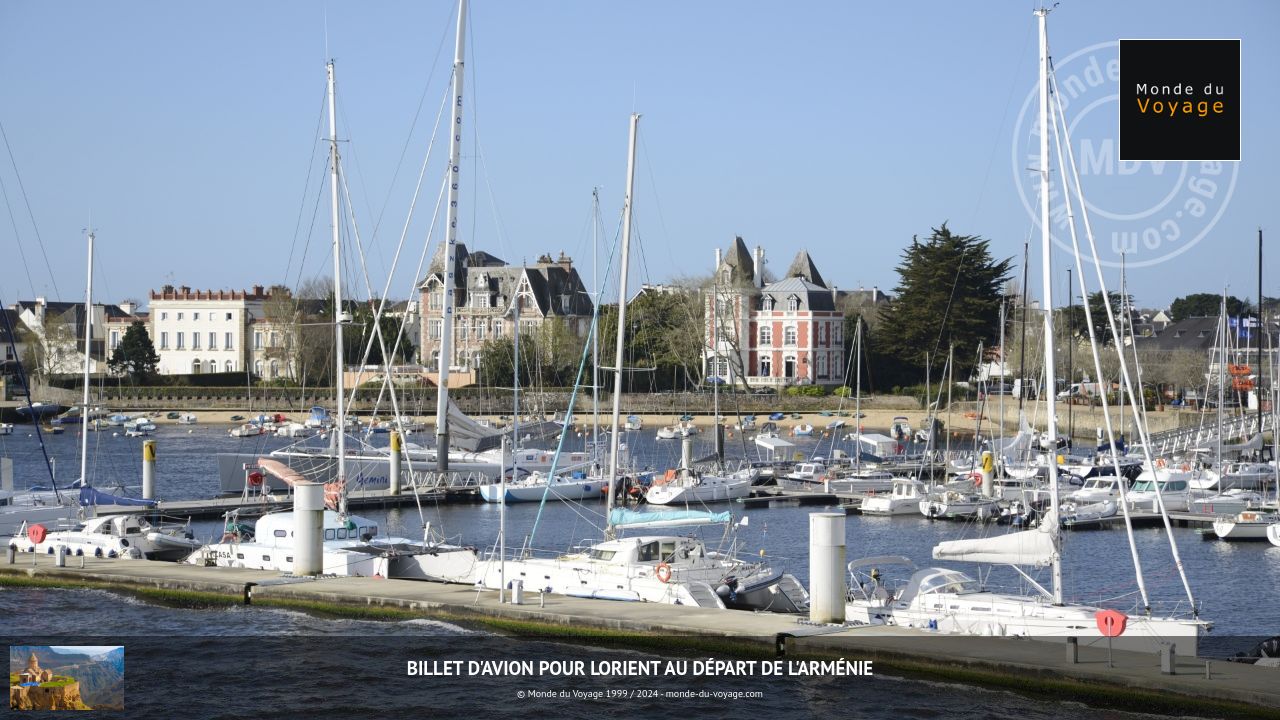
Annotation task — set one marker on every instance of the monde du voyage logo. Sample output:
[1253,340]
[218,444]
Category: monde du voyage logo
[1159,182]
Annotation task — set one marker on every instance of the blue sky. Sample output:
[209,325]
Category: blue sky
[187,131]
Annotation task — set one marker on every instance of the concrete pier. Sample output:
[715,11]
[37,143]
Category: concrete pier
[996,661]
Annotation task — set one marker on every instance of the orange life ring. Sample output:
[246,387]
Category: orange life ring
[255,479]
[977,479]
[1160,462]
[663,572]
[1185,467]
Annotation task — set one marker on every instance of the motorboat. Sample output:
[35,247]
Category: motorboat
[1076,514]
[246,430]
[124,536]
[802,430]
[294,430]
[351,546]
[903,500]
[957,501]
[187,419]
[746,424]
[1173,487]
[633,422]
[1246,476]
[691,486]
[900,430]
[1099,488]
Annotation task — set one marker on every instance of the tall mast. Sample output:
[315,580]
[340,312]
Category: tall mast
[595,330]
[1071,346]
[857,392]
[1046,243]
[622,317]
[338,318]
[451,247]
[88,340]
[1257,386]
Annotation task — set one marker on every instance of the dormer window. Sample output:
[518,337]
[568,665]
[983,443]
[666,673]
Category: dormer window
[793,303]
[766,304]
[564,302]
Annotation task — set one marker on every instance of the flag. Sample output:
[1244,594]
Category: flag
[745,520]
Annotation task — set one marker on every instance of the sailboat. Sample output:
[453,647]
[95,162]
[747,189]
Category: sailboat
[949,601]
[672,569]
[351,544]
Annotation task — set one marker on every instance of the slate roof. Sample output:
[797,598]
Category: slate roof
[738,262]
[813,297]
[804,267]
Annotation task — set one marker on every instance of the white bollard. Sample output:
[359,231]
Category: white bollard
[308,518]
[826,567]
[395,463]
[988,474]
[60,556]
[149,470]
[517,592]
[686,452]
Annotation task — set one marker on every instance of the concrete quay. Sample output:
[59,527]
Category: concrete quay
[1206,688]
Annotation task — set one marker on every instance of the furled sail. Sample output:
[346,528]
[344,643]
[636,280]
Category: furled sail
[1027,547]
[622,518]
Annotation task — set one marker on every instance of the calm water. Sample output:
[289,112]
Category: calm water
[1234,582]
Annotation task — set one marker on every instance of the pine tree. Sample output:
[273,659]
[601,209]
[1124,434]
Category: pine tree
[949,291]
[135,355]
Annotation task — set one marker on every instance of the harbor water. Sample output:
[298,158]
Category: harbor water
[1229,580]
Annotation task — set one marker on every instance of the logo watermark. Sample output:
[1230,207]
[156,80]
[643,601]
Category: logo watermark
[1149,211]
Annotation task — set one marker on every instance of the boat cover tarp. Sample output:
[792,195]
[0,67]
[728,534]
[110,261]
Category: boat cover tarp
[1019,444]
[92,496]
[623,518]
[1027,547]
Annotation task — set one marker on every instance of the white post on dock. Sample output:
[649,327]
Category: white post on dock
[149,470]
[686,452]
[988,474]
[394,480]
[826,567]
[308,517]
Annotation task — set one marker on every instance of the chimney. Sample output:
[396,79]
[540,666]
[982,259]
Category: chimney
[875,294]
[759,267]
[718,259]
[835,295]
[257,290]
[128,307]
[186,289]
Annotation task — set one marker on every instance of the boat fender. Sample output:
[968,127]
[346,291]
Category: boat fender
[49,550]
[97,552]
[1185,467]
[663,572]
[112,554]
[79,552]
[124,542]
[1160,462]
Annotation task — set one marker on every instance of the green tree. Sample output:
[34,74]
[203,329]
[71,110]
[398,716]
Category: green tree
[1205,305]
[949,291]
[1073,319]
[135,356]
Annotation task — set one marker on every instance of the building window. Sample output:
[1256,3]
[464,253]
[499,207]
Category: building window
[195,341]
[475,362]
[226,341]
[497,328]
[839,331]
[195,316]
[195,367]
[179,345]
[115,339]
[435,300]
[179,316]
[433,329]
[835,365]
[213,366]
[766,335]
[822,365]
[257,341]
[228,366]
[479,329]
[257,368]
[275,369]
[275,339]
[789,367]
[462,330]
[164,341]
[766,367]
[228,316]
[793,303]
[213,341]
[766,303]
[789,336]
[164,316]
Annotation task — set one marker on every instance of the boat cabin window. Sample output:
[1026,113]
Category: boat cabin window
[342,533]
[329,534]
[133,530]
[266,558]
[281,533]
[669,550]
[288,558]
[648,552]
[239,556]
[598,554]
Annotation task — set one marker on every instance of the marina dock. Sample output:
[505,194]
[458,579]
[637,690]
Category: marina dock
[260,505]
[1197,686]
